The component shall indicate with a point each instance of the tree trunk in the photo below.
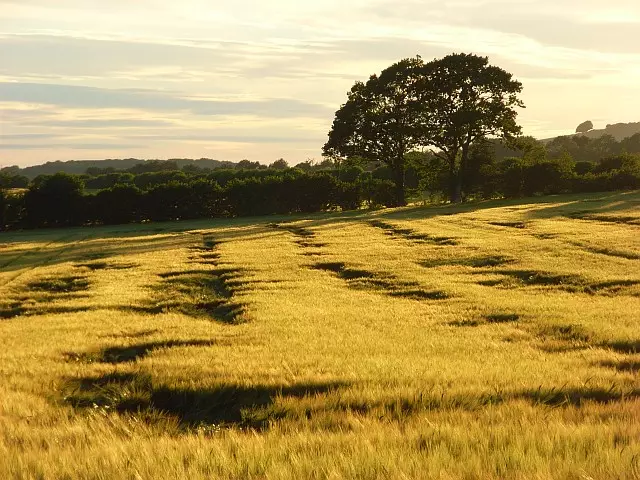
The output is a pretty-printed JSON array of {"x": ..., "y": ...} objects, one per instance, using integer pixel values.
[
  {"x": 398, "y": 171},
  {"x": 454, "y": 181},
  {"x": 463, "y": 170}
]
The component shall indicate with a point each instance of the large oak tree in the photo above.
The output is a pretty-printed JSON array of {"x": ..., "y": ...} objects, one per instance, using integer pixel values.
[{"x": 447, "y": 104}]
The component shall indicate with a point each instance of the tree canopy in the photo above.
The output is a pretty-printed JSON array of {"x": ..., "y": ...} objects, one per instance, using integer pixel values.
[
  {"x": 446, "y": 104},
  {"x": 381, "y": 120}
]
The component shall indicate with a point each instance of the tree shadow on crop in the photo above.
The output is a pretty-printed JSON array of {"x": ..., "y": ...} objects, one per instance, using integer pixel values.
[
  {"x": 197, "y": 293},
  {"x": 305, "y": 237},
  {"x": 38, "y": 297},
  {"x": 545, "y": 236},
  {"x": 19, "y": 309},
  {"x": 631, "y": 366},
  {"x": 502, "y": 317},
  {"x": 519, "y": 225},
  {"x": 485, "y": 261},
  {"x": 208, "y": 258},
  {"x": 466, "y": 323},
  {"x": 532, "y": 278},
  {"x": 83, "y": 246},
  {"x": 308, "y": 244},
  {"x": 98, "y": 265},
  {"x": 561, "y": 338},
  {"x": 605, "y": 203},
  {"x": 611, "y": 287},
  {"x": 567, "y": 333},
  {"x": 297, "y": 230},
  {"x": 622, "y": 346},
  {"x": 59, "y": 285},
  {"x": 12, "y": 310},
  {"x": 609, "y": 252},
  {"x": 598, "y": 217},
  {"x": 131, "y": 353},
  {"x": 420, "y": 294},
  {"x": 224, "y": 405},
  {"x": 361, "y": 279},
  {"x": 138, "y": 334},
  {"x": 185, "y": 408},
  {"x": 410, "y": 234},
  {"x": 577, "y": 396},
  {"x": 494, "y": 318},
  {"x": 568, "y": 283}
]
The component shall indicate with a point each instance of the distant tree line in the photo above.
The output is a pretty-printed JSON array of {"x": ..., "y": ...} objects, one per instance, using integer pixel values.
[
  {"x": 532, "y": 171},
  {"x": 94, "y": 168},
  {"x": 117, "y": 198},
  {"x": 61, "y": 200}
]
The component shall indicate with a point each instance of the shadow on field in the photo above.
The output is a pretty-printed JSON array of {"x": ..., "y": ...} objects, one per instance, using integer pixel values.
[
  {"x": 607, "y": 203},
  {"x": 261, "y": 406},
  {"x": 81, "y": 245},
  {"x": 411, "y": 235},
  {"x": 598, "y": 217},
  {"x": 360, "y": 279},
  {"x": 305, "y": 238},
  {"x": 622, "y": 346},
  {"x": 59, "y": 285},
  {"x": 19, "y": 309},
  {"x": 632, "y": 366},
  {"x": 224, "y": 405},
  {"x": 485, "y": 261},
  {"x": 131, "y": 353},
  {"x": 494, "y": 318},
  {"x": 38, "y": 296},
  {"x": 609, "y": 252},
  {"x": 199, "y": 292},
  {"x": 563, "y": 338},
  {"x": 97, "y": 265},
  {"x": 519, "y": 225},
  {"x": 86, "y": 250},
  {"x": 556, "y": 397},
  {"x": 568, "y": 283},
  {"x": 138, "y": 334}
]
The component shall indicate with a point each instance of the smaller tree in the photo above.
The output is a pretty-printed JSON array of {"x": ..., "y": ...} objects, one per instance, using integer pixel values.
[
  {"x": 532, "y": 151},
  {"x": 631, "y": 144},
  {"x": 381, "y": 121},
  {"x": 584, "y": 127},
  {"x": 248, "y": 165},
  {"x": 305, "y": 166},
  {"x": 280, "y": 164}
]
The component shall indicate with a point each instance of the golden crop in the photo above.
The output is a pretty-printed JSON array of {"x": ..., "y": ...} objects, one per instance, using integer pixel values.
[{"x": 493, "y": 340}]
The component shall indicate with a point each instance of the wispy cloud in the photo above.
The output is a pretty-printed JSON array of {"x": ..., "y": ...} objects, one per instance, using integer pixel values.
[
  {"x": 262, "y": 79},
  {"x": 91, "y": 97}
]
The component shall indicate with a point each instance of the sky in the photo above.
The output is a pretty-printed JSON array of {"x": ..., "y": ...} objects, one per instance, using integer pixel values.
[{"x": 257, "y": 79}]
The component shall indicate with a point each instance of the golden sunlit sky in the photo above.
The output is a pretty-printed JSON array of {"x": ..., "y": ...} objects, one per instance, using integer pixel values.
[{"x": 93, "y": 79}]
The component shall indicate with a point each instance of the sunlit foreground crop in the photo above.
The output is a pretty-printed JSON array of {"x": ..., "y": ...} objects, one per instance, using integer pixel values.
[{"x": 498, "y": 340}]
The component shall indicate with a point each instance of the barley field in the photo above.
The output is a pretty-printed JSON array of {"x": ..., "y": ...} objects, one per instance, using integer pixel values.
[{"x": 498, "y": 340}]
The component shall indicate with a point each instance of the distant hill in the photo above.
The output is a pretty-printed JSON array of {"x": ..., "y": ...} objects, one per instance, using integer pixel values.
[
  {"x": 619, "y": 131},
  {"x": 80, "y": 166}
]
